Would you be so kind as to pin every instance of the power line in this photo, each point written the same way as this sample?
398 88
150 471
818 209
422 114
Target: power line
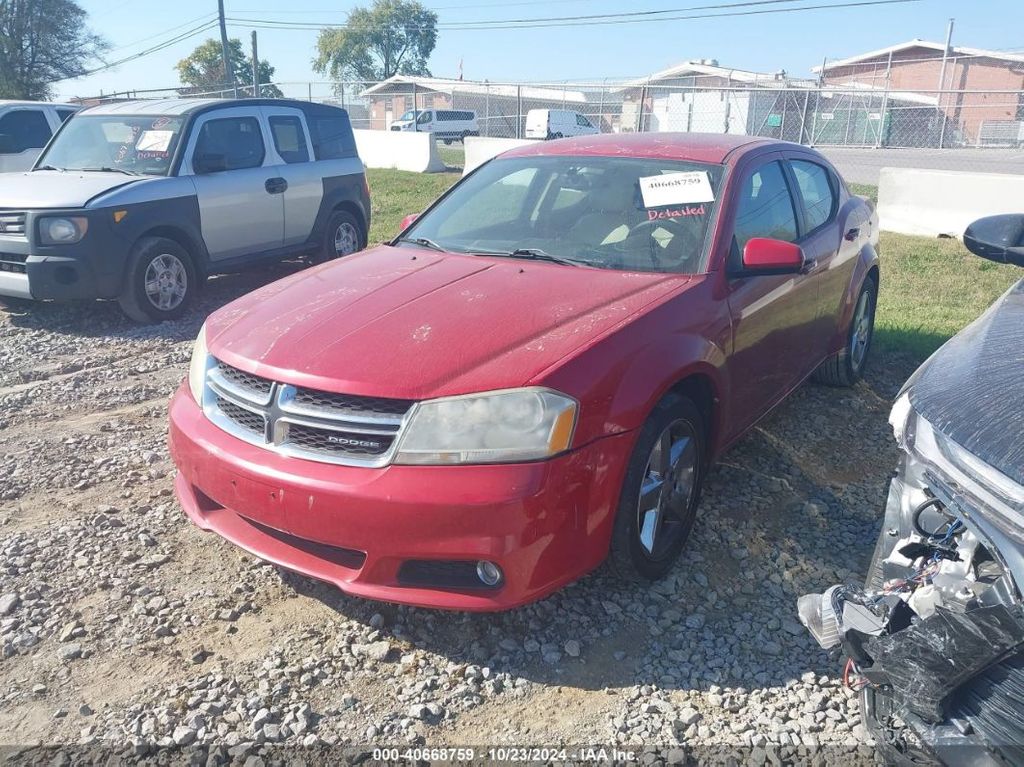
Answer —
204 17
601 20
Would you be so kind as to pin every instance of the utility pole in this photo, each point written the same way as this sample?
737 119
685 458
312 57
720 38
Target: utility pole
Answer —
229 76
255 69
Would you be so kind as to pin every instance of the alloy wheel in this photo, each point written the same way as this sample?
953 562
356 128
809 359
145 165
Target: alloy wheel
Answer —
860 336
166 282
346 239
667 489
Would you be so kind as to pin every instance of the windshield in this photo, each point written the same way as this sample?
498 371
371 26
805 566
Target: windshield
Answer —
622 213
142 145
409 116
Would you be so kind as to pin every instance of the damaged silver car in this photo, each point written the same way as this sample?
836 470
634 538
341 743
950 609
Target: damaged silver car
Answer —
935 637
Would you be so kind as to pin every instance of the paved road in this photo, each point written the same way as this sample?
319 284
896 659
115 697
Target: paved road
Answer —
862 166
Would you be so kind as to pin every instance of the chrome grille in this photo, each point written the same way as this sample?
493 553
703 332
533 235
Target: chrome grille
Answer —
304 423
12 223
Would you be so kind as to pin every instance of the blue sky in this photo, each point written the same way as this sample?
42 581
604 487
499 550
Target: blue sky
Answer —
791 41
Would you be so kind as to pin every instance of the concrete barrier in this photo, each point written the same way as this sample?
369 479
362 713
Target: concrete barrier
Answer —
416 152
943 202
480 149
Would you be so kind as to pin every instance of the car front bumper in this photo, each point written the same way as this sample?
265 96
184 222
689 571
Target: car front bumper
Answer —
544 524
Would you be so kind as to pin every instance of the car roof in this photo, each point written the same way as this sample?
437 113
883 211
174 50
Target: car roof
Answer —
172 107
698 147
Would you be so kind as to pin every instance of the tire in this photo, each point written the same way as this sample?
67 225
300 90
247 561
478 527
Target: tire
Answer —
343 236
645 549
161 281
845 367
557 136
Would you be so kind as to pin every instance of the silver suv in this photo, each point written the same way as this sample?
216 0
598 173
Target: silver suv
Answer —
141 201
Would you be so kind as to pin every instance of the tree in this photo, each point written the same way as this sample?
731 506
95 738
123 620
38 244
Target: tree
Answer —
202 71
41 43
393 37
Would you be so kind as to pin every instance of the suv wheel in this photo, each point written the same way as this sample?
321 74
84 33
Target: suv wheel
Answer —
845 367
660 492
342 237
161 281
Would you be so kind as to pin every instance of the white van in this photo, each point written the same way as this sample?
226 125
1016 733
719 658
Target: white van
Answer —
446 124
557 123
25 128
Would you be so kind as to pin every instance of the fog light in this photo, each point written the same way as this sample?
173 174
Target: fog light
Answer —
488 573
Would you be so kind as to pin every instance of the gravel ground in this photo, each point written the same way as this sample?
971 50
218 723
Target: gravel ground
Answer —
122 625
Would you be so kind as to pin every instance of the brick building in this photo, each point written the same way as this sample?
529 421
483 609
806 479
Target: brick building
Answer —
979 93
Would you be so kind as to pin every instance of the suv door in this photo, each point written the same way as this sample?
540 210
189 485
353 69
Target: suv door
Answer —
241 198
24 131
775 344
293 147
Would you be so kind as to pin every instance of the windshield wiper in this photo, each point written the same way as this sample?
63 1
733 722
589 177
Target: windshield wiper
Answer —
536 254
424 242
49 167
108 169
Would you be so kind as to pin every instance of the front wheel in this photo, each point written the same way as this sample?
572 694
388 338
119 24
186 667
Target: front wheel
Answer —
161 281
343 236
660 492
845 367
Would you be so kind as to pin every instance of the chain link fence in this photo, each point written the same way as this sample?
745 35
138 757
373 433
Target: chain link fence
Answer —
862 126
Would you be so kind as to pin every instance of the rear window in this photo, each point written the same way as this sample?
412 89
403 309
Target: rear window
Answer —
332 136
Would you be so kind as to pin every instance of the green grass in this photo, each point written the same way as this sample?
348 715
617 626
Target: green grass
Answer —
454 156
864 190
396 193
930 288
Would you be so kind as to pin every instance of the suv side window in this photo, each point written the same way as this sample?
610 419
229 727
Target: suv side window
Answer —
764 209
816 191
238 139
25 129
289 139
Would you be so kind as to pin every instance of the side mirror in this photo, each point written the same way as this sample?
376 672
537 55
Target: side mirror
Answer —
997 238
7 144
407 221
209 163
762 255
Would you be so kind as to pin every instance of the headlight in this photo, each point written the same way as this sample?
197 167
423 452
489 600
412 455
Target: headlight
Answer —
62 231
496 427
198 366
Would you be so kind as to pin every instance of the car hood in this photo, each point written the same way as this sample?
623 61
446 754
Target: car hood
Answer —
416 324
57 189
972 389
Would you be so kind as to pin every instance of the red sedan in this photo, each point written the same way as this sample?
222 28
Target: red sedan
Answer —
534 376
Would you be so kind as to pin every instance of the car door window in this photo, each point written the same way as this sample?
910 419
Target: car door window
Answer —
764 209
816 192
25 129
238 140
423 119
289 139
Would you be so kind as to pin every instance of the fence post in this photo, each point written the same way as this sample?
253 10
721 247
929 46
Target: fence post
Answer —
600 108
415 106
519 111
487 109
640 111
885 103
309 90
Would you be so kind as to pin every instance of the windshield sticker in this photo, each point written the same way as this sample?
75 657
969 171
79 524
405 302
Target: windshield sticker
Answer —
155 141
686 188
689 210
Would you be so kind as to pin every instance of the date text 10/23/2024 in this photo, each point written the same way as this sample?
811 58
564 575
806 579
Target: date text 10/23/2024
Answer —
505 754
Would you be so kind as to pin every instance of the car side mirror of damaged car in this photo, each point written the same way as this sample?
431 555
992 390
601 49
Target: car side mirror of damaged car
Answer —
209 163
408 221
997 238
762 255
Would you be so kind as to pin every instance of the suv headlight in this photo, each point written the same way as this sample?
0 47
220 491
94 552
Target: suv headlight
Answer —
497 427
198 366
62 230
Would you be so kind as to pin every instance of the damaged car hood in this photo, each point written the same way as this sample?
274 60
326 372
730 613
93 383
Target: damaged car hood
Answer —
972 389
416 324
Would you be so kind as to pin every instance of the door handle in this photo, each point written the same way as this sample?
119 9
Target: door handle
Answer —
852 234
809 266
275 185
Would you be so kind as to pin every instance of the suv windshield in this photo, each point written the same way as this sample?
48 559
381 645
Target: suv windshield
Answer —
630 214
143 145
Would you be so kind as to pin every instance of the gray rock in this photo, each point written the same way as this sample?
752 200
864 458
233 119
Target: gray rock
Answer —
8 602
